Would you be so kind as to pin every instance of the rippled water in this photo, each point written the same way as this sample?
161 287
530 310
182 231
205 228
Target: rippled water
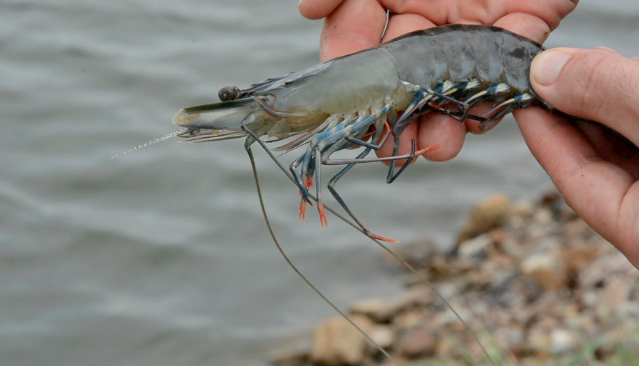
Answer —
160 257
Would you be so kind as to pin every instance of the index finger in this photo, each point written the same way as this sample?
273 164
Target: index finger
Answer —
317 9
353 26
527 25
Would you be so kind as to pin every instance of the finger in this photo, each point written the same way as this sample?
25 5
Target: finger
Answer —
606 49
551 12
443 130
355 25
527 25
592 84
442 12
603 194
317 9
400 24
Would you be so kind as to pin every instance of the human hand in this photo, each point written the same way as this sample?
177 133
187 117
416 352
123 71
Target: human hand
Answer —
354 25
595 169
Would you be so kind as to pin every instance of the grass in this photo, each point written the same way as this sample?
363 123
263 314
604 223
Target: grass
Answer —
605 350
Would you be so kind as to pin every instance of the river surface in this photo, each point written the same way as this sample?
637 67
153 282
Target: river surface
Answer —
160 257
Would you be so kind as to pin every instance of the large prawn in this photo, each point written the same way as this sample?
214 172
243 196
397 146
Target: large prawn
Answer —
333 105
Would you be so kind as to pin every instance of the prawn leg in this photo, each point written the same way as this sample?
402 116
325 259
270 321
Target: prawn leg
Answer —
464 108
418 106
505 108
303 185
338 140
340 200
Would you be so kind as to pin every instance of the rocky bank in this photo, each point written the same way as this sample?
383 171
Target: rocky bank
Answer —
534 283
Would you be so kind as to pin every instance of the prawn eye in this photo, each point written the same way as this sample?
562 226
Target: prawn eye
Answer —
229 93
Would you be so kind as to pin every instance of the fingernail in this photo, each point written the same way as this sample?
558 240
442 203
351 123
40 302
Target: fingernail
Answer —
547 66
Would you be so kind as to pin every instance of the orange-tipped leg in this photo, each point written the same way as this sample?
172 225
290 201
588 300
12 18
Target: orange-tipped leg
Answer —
427 149
302 210
322 214
308 182
382 238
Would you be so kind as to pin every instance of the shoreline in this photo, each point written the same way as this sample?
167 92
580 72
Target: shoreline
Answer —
532 281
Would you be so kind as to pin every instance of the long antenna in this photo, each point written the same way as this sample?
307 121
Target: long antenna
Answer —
468 330
308 282
154 141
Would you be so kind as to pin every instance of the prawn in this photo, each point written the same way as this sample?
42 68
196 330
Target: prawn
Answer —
333 105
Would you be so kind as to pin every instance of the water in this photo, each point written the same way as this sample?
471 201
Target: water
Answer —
160 257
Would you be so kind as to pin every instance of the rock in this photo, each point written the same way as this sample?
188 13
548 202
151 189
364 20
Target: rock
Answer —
543 216
523 209
336 342
615 292
374 309
383 312
563 341
577 229
538 338
293 358
487 214
578 257
512 247
596 272
416 253
453 346
551 198
607 282
448 319
383 335
475 248
409 318
498 235
417 342
547 269
511 336
542 224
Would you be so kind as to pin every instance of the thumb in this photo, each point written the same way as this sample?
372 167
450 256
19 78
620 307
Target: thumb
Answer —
597 84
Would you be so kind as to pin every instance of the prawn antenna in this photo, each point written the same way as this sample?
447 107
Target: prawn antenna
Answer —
388 14
154 141
254 138
290 263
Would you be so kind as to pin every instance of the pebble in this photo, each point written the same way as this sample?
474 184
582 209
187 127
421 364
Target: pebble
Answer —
475 248
336 342
417 342
615 292
562 341
486 214
547 269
